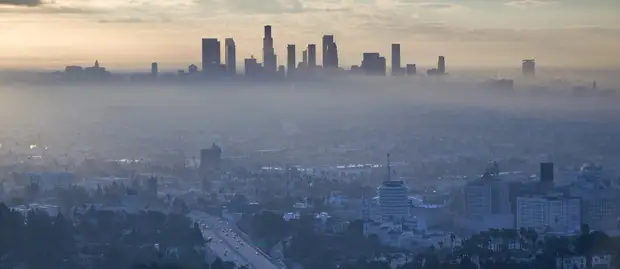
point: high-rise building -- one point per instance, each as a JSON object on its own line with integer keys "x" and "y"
{"x": 600, "y": 203}
{"x": 396, "y": 69}
{"x": 393, "y": 200}
{"x": 304, "y": 58}
{"x": 528, "y": 67}
{"x": 333, "y": 55}
{"x": 441, "y": 65}
{"x": 290, "y": 60}
{"x": 230, "y": 50}
{"x": 192, "y": 69}
{"x": 373, "y": 64}
{"x": 210, "y": 159}
{"x": 252, "y": 67}
{"x": 270, "y": 61}
{"x": 312, "y": 55}
{"x": 411, "y": 69}
{"x": 555, "y": 213}
{"x": 330, "y": 52}
{"x": 393, "y": 197}
{"x": 154, "y": 69}
{"x": 486, "y": 196}
{"x": 211, "y": 59}
{"x": 327, "y": 41}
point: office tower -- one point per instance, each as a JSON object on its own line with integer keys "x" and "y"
{"x": 312, "y": 55}
{"x": 290, "y": 59}
{"x": 327, "y": 41}
{"x": 373, "y": 64}
{"x": 210, "y": 159}
{"x": 304, "y": 58}
{"x": 210, "y": 56}
{"x": 192, "y": 69}
{"x": 441, "y": 65}
{"x": 252, "y": 67}
{"x": 528, "y": 67}
{"x": 546, "y": 173}
{"x": 396, "y": 70}
{"x": 230, "y": 50}
{"x": 486, "y": 197}
{"x": 269, "y": 58}
{"x": 599, "y": 207}
{"x": 411, "y": 69}
{"x": 154, "y": 69}
{"x": 330, "y": 52}
{"x": 554, "y": 212}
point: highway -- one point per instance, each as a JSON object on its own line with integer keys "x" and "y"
{"x": 228, "y": 246}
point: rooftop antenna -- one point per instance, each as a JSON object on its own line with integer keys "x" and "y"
{"x": 389, "y": 168}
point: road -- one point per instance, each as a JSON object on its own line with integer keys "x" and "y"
{"x": 228, "y": 246}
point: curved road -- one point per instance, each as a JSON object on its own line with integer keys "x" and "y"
{"x": 227, "y": 245}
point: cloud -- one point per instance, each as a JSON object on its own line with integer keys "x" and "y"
{"x": 134, "y": 20}
{"x": 531, "y": 3}
{"x": 266, "y": 7}
{"x": 24, "y": 3}
{"x": 51, "y": 9}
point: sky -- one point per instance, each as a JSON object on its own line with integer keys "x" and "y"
{"x": 470, "y": 33}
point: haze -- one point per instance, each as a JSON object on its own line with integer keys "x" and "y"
{"x": 413, "y": 121}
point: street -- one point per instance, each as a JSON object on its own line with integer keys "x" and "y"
{"x": 227, "y": 245}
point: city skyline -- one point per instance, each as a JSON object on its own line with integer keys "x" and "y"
{"x": 132, "y": 34}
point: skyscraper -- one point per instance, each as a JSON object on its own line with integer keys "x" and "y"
{"x": 304, "y": 58}
{"x": 410, "y": 69}
{"x": 211, "y": 56}
{"x": 528, "y": 67}
{"x": 230, "y": 50}
{"x": 312, "y": 55}
{"x": 330, "y": 52}
{"x": 290, "y": 59}
{"x": 327, "y": 41}
{"x": 154, "y": 69}
{"x": 333, "y": 55}
{"x": 441, "y": 65}
{"x": 396, "y": 69}
{"x": 252, "y": 67}
{"x": 373, "y": 64}
{"x": 269, "y": 57}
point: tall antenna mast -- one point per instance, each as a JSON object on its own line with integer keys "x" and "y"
{"x": 389, "y": 168}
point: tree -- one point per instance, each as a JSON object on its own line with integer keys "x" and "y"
{"x": 431, "y": 261}
{"x": 584, "y": 244}
{"x": 466, "y": 263}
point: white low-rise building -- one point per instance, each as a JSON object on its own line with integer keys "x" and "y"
{"x": 549, "y": 213}
{"x": 579, "y": 262}
{"x": 51, "y": 210}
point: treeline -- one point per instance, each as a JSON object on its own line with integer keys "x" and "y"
{"x": 97, "y": 239}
